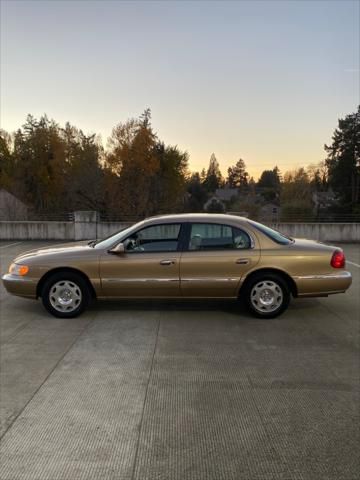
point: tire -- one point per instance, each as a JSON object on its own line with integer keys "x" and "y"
{"x": 65, "y": 294}
{"x": 267, "y": 295}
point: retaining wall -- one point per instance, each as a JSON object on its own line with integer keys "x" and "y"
{"x": 85, "y": 229}
{"x": 325, "y": 232}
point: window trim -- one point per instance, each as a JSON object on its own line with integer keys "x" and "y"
{"x": 188, "y": 233}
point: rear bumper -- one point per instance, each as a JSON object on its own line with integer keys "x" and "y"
{"x": 21, "y": 286}
{"x": 320, "y": 285}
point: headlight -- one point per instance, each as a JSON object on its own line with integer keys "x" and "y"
{"x": 16, "y": 269}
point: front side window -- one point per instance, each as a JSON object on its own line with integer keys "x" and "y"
{"x": 210, "y": 236}
{"x": 157, "y": 238}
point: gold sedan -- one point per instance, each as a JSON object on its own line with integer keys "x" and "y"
{"x": 182, "y": 256}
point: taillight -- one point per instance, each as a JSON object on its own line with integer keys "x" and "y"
{"x": 338, "y": 259}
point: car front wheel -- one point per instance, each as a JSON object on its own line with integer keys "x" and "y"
{"x": 267, "y": 296}
{"x": 65, "y": 295}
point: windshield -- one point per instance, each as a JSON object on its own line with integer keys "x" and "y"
{"x": 114, "y": 238}
{"x": 271, "y": 233}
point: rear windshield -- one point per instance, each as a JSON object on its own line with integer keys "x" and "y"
{"x": 271, "y": 233}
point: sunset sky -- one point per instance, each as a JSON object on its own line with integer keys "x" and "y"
{"x": 261, "y": 80}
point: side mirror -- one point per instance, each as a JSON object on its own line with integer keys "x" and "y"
{"x": 118, "y": 249}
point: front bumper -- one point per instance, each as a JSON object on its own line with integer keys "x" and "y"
{"x": 320, "y": 285}
{"x": 21, "y": 286}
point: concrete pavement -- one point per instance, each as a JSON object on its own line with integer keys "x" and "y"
{"x": 171, "y": 390}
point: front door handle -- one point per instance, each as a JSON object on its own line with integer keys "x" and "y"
{"x": 167, "y": 262}
{"x": 243, "y": 261}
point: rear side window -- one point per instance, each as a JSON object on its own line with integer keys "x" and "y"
{"x": 211, "y": 236}
{"x": 271, "y": 233}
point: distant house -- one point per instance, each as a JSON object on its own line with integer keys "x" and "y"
{"x": 226, "y": 194}
{"x": 270, "y": 212}
{"x": 323, "y": 199}
{"x": 11, "y": 208}
{"x": 214, "y": 205}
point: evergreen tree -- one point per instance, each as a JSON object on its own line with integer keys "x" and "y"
{"x": 237, "y": 175}
{"x": 197, "y": 193}
{"x": 168, "y": 183}
{"x": 269, "y": 184}
{"x": 6, "y": 160}
{"x": 213, "y": 178}
{"x": 343, "y": 160}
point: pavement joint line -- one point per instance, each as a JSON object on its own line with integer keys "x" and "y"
{"x": 326, "y": 307}
{"x": 274, "y": 450}
{"x": 353, "y": 263}
{"x": 16, "y": 332}
{"x": 11, "y": 245}
{"x": 145, "y": 399}
{"x": 48, "y": 376}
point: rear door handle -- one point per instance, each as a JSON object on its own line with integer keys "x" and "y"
{"x": 167, "y": 262}
{"x": 243, "y": 261}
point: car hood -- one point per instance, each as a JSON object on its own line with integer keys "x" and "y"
{"x": 55, "y": 250}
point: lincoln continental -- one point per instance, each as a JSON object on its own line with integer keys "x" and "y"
{"x": 181, "y": 256}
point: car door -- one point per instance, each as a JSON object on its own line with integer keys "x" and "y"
{"x": 149, "y": 266}
{"x": 216, "y": 258}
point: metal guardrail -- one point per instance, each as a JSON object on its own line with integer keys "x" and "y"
{"x": 118, "y": 218}
{"x": 38, "y": 217}
{"x": 51, "y": 217}
{"x": 329, "y": 218}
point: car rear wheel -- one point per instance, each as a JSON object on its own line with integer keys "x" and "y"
{"x": 65, "y": 295}
{"x": 267, "y": 295}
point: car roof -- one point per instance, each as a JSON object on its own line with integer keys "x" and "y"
{"x": 197, "y": 217}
